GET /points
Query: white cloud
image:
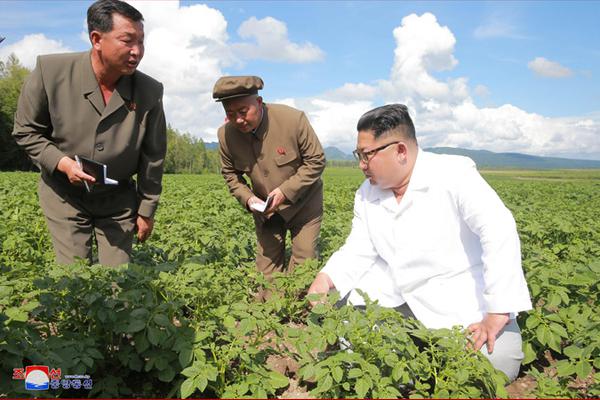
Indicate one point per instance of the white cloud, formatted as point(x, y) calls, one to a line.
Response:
point(443, 111)
point(271, 43)
point(548, 69)
point(187, 48)
point(28, 48)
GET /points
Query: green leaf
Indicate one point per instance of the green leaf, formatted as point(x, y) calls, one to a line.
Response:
point(187, 388)
point(162, 320)
point(583, 369)
point(141, 343)
point(529, 353)
point(153, 335)
point(319, 309)
point(391, 360)
point(17, 314)
point(201, 382)
point(573, 351)
point(532, 321)
point(94, 353)
point(278, 380)
point(565, 368)
point(30, 306)
point(135, 326)
point(355, 373)
point(308, 371)
point(559, 329)
point(337, 373)
point(361, 387)
point(325, 384)
point(185, 356)
point(88, 361)
point(229, 322)
point(167, 374)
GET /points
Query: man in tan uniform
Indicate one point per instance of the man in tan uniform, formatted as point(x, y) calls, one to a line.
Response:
point(96, 105)
point(275, 146)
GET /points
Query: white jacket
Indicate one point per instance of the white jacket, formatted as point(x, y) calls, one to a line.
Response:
point(450, 248)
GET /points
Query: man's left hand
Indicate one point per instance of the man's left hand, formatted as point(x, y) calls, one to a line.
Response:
point(487, 330)
point(278, 199)
point(144, 227)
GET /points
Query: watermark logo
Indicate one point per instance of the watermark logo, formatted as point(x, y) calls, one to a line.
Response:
point(41, 377)
point(37, 377)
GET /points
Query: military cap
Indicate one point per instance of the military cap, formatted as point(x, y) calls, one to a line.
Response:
point(229, 87)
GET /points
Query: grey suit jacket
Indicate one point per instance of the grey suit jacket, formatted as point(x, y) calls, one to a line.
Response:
point(61, 112)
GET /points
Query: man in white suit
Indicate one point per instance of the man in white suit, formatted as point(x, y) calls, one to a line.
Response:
point(432, 239)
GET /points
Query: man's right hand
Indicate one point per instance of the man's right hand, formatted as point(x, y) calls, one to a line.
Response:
point(321, 285)
point(73, 171)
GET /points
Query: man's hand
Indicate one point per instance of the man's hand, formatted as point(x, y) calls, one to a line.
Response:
point(487, 330)
point(73, 171)
point(278, 199)
point(321, 285)
point(144, 227)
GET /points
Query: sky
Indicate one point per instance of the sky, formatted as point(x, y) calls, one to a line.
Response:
point(509, 76)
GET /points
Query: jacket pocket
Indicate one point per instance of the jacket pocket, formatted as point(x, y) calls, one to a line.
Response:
point(286, 158)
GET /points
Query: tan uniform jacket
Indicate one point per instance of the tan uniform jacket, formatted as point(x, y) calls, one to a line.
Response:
point(61, 112)
point(284, 152)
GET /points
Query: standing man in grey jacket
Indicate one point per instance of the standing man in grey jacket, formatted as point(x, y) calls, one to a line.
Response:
point(96, 105)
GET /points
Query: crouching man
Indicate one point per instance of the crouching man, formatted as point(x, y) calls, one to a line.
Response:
point(432, 239)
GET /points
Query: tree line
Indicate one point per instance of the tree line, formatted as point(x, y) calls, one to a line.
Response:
point(185, 153)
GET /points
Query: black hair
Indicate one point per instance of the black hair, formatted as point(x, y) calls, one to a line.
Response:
point(99, 15)
point(387, 119)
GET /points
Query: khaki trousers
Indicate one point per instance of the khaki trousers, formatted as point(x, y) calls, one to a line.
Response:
point(74, 218)
point(270, 252)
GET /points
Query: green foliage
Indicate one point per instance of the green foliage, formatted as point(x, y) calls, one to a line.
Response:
point(12, 76)
point(188, 155)
point(183, 320)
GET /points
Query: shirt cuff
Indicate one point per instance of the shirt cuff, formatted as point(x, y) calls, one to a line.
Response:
point(342, 284)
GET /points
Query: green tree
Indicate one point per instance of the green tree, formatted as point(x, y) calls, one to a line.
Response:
point(187, 154)
point(12, 76)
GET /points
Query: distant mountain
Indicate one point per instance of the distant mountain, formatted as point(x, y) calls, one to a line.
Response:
point(483, 158)
point(488, 159)
point(333, 153)
point(211, 145)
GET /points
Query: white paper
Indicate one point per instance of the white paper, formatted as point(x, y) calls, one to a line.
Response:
point(262, 206)
point(107, 180)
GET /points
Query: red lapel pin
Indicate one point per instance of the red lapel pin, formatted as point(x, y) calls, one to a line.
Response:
point(131, 106)
point(280, 151)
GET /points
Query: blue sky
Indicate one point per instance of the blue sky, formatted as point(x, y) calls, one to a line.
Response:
point(525, 65)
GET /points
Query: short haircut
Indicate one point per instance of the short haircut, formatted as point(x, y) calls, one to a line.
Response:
point(100, 14)
point(387, 119)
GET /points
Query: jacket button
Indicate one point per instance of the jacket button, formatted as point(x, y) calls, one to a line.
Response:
point(99, 147)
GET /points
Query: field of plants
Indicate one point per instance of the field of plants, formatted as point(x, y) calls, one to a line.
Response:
point(183, 320)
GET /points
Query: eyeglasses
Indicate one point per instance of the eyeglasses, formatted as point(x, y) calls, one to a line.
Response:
point(368, 155)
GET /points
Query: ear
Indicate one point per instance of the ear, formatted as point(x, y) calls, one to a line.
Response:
point(402, 151)
point(259, 100)
point(96, 39)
